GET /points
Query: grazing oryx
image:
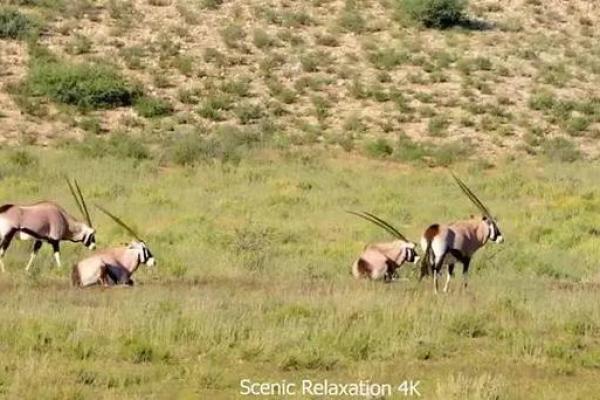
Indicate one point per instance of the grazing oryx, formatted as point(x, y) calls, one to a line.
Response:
point(112, 266)
point(381, 260)
point(458, 241)
point(45, 222)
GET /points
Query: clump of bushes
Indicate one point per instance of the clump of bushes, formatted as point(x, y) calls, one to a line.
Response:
point(14, 24)
point(85, 85)
point(435, 13)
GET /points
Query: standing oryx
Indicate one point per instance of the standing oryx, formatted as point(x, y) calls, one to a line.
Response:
point(458, 241)
point(112, 266)
point(45, 221)
point(381, 260)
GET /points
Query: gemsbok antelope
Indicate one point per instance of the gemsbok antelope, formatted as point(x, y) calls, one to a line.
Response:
point(113, 266)
point(381, 260)
point(45, 221)
point(458, 241)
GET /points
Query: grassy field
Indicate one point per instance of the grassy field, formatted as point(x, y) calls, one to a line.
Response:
point(253, 281)
point(235, 134)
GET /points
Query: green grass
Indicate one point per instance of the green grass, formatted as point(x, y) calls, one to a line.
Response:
point(253, 280)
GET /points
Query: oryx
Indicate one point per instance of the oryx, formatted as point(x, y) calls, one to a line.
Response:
point(381, 260)
point(113, 266)
point(458, 241)
point(45, 221)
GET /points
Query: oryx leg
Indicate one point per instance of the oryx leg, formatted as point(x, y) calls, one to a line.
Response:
point(36, 248)
point(450, 275)
point(104, 276)
point(56, 249)
point(437, 268)
point(466, 261)
point(4, 246)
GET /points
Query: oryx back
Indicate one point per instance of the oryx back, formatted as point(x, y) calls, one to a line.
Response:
point(44, 220)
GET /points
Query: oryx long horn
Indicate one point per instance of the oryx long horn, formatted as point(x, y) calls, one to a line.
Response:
point(380, 223)
point(79, 206)
point(86, 213)
point(474, 199)
point(120, 222)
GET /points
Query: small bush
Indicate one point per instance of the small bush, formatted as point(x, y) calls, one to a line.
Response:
point(435, 13)
point(561, 149)
point(88, 86)
point(379, 148)
point(211, 4)
point(152, 107)
point(189, 149)
point(119, 145)
point(22, 159)
point(14, 24)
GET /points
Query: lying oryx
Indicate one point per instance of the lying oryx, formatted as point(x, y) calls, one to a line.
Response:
point(113, 266)
point(458, 241)
point(45, 221)
point(381, 260)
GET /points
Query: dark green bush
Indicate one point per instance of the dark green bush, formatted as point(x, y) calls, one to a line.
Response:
point(88, 86)
point(435, 13)
point(14, 24)
point(151, 107)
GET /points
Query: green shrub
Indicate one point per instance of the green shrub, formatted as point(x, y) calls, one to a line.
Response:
point(211, 4)
point(561, 149)
point(151, 107)
point(189, 149)
point(22, 159)
point(379, 148)
point(14, 24)
point(118, 145)
point(407, 150)
point(435, 13)
point(89, 86)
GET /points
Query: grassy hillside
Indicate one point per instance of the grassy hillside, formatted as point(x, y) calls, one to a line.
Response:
point(515, 78)
point(253, 281)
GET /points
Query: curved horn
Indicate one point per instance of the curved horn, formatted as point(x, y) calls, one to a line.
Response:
point(120, 222)
point(75, 196)
point(474, 199)
point(380, 223)
point(85, 211)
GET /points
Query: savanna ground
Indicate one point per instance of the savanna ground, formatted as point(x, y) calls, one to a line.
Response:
point(253, 282)
point(234, 135)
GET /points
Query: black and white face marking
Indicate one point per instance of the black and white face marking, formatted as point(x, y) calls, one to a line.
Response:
point(144, 254)
point(89, 240)
point(411, 255)
point(495, 234)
